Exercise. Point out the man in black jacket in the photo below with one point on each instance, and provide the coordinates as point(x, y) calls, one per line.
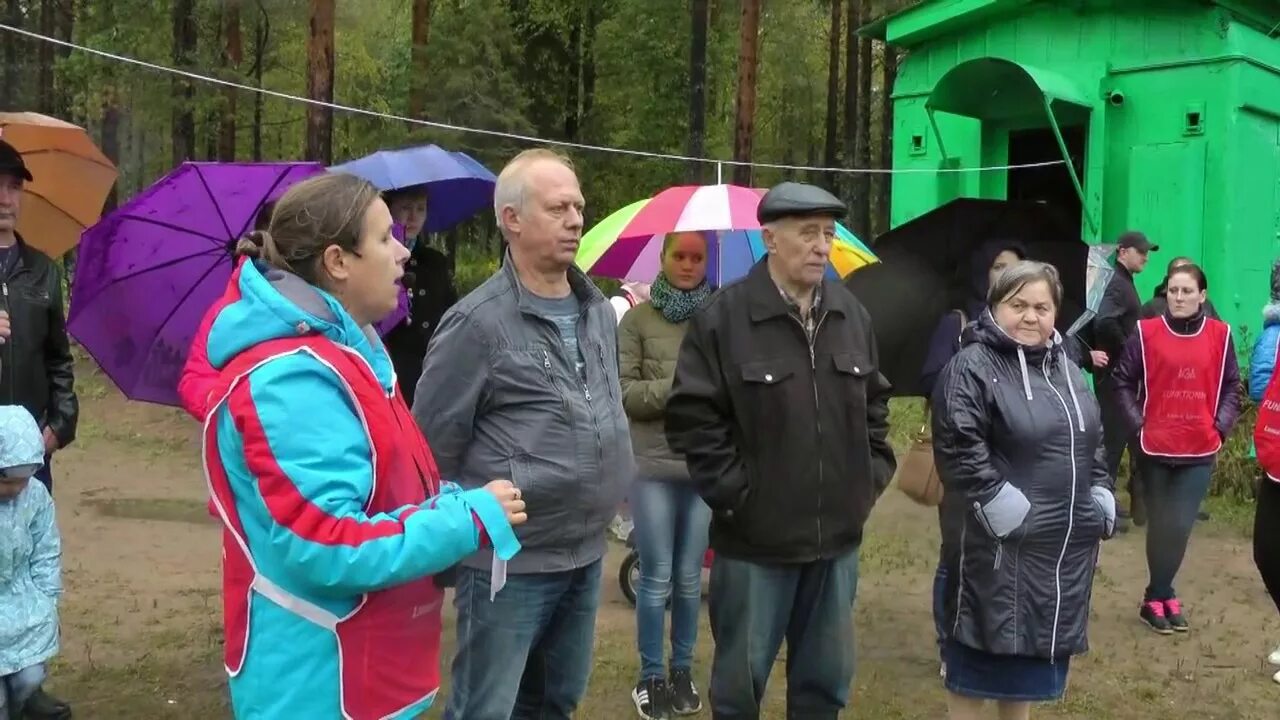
point(35, 357)
point(1117, 319)
point(783, 418)
point(430, 286)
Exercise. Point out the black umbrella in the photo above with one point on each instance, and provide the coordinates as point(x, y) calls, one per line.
point(924, 266)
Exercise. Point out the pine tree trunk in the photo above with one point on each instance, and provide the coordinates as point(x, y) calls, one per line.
point(232, 55)
point(64, 20)
point(573, 81)
point(862, 159)
point(110, 126)
point(698, 89)
point(45, 60)
point(421, 35)
point(885, 191)
point(320, 82)
point(748, 62)
point(10, 89)
point(261, 35)
point(831, 158)
point(183, 93)
point(851, 57)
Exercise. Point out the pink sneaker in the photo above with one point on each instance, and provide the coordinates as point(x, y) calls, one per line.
point(1152, 613)
point(1173, 612)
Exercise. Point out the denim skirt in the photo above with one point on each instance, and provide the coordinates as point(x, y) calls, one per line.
point(977, 674)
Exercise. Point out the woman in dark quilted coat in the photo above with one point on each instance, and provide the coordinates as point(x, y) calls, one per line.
point(1017, 438)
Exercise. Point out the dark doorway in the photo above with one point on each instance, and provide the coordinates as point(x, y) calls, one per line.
point(1050, 185)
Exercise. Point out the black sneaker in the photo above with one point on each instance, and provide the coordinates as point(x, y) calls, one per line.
point(653, 699)
point(684, 695)
point(1152, 614)
point(1173, 611)
point(43, 706)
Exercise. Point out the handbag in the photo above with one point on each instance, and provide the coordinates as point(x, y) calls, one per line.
point(917, 474)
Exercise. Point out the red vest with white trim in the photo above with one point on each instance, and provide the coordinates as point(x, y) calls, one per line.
point(1182, 385)
point(389, 645)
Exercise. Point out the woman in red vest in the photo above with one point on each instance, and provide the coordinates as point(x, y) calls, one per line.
point(335, 517)
point(1177, 383)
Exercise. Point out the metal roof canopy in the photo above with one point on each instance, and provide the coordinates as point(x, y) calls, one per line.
point(1003, 90)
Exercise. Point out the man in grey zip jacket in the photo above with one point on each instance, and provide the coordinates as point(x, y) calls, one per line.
point(521, 382)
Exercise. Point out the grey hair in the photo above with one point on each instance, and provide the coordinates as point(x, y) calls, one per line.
point(511, 185)
point(1020, 274)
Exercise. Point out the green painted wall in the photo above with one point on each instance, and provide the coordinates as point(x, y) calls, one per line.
point(1211, 193)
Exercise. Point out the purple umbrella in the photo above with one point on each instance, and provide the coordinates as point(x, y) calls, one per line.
point(457, 186)
point(147, 272)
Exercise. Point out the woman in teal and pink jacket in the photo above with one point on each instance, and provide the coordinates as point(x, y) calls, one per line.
point(335, 518)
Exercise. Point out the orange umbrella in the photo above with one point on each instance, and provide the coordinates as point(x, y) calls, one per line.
point(72, 180)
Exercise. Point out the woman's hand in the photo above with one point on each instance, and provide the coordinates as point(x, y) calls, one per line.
point(508, 496)
point(1099, 358)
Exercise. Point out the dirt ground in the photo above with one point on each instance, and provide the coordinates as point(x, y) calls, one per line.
point(141, 614)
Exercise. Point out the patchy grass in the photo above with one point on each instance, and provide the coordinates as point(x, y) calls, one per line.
point(165, 509)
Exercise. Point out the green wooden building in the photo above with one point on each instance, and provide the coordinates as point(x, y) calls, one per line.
point(1169, 111)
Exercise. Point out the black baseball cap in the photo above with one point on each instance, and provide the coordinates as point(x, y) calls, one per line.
point(11, 162)
point(1137, 241)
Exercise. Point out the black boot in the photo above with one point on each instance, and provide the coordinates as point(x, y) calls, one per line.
point(43, 706)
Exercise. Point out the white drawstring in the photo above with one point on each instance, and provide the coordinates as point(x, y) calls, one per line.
point(1026, 378)
point(1071, 388)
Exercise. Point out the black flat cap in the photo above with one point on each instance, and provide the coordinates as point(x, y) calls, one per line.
point(11, 162)
point(792, 198)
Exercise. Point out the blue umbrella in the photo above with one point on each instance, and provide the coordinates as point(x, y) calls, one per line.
point(457, 186)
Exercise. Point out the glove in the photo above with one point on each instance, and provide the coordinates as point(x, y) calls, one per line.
point(1106, 503)
point(1004, 513)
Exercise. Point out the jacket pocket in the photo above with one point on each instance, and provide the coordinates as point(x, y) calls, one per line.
point(530, 377)
point(1004, 513)
point(771, 396)
point(853, 366)
point(35, 296)
point(556, 512)
point(765, 373)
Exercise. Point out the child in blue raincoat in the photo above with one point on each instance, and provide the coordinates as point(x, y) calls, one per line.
point(30, 573)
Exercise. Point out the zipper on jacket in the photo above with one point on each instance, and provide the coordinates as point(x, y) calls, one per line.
point(817, 408)
point(8, 346)
point(1071, 513)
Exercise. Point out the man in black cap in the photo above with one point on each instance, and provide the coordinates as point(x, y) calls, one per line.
point(1116, 321)
point(36, 369)
point(783, 418)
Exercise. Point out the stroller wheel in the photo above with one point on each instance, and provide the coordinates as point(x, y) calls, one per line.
point(629, 576)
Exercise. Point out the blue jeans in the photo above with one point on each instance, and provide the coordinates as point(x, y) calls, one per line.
point(1173, 495)
point(754, 606)
point(526, 654)
point(671, 525)
point(18, 687)
point(940, 604)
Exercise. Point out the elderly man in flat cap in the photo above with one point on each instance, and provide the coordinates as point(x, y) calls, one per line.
point(782, 416)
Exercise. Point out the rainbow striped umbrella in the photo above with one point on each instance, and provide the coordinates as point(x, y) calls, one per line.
point(628, 244)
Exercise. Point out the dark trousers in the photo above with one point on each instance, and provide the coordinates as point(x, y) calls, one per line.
point(1173, 497)
point(754, 607)
point(1115, 437)
point(1266, 537)
point(45, 474)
